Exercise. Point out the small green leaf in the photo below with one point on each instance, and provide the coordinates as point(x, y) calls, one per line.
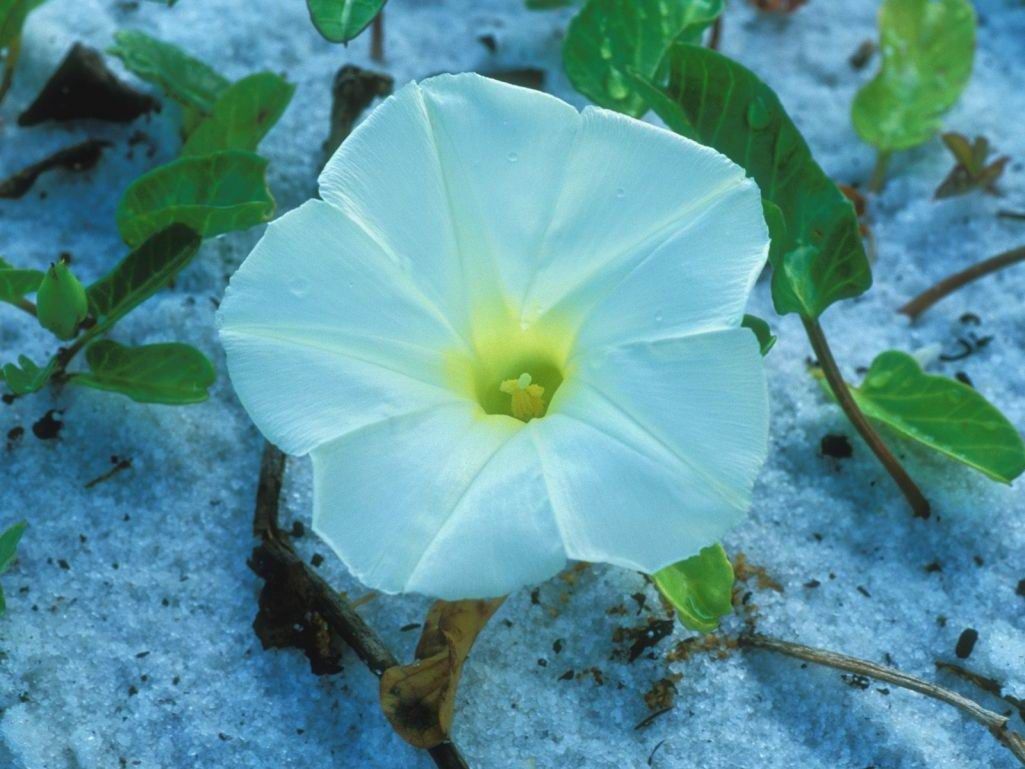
point(927, 46)
point(766, 339)
point(185, 79)
point(14, 283)
point(9, 539)
point(212, 194)
point(12, 18)
point(26, 377)
point(700, 588)
point(941, 413)
point(243, 115)
point(8, 547)
point(61, 304)
point(170, 373)
point(610, 38)
point(341, 20)
point(817, 254)
point(142, 273)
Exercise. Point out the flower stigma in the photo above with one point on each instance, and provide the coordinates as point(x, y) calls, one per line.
point(526, 397)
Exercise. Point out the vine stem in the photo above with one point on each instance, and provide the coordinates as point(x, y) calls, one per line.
point(24, 304)
point(336, 610)
point(952, 283)
point(377, 37)
point(919, 504)
point(715, 36)
point(994, 722)
point(13, 51)
point(878, 180)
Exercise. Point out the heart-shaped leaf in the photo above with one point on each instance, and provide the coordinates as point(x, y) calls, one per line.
point(941, 413)
point(25, 376)
point(609, 38)
point(142, 273)
point(15, 283)
point(341, 20)
point(927, 46)
point(700, 588)
point(212, 194)
point(170, 373)
point(242, 116)
point(817, 254)
point(183, 78)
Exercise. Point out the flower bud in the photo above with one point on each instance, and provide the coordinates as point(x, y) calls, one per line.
point(61, 303)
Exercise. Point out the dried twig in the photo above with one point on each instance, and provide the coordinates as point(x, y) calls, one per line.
point(377, 37)
point(952, 283)
point(995, 723)
point(336, 611)
point(986, 684)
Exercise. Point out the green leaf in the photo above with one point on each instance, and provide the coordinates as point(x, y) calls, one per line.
point(545, 5)
point(26, 377)
point(212, 194)
point(12, 18)
point(185, 79)
point(8, 546)
point(142, 273)
point(766, 339)
point(14, 283)
point(170, 373)
point(610, 38)
point(9, 539)
point(817, 254)
point(243, 115)
point(700, 588)
point(927, 46)
point(941, 413)
point(61, 304)
point(341, 20)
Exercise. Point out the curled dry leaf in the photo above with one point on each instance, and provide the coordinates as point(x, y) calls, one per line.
point(352, 91)
point(419, 699)
point(79, 157)
point(778, 6)
point(83, 87)
point(970, 171)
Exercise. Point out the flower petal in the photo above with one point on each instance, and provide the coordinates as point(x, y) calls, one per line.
point(633, 215)
point(503, 151)
point(324, 333)
point(457, 176)
point(697, 280)
point(651, 449)
point(442, 502)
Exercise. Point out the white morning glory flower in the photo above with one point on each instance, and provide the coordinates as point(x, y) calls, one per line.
point(509, 336)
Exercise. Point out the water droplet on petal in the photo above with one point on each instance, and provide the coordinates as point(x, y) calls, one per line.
point(658, 317)
point(299, 287)
point(512, 157)
point(620, 192)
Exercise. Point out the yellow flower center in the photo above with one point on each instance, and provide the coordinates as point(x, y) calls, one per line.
point(526, 397)
point(512, 367)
